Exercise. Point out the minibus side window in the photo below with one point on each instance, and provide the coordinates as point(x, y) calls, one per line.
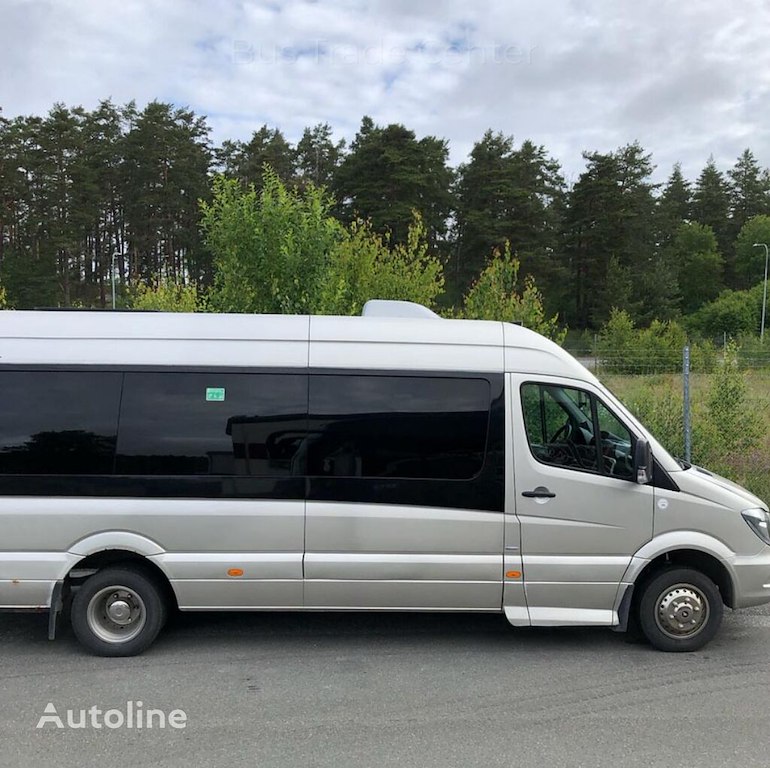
point(58, 422)
point(562, 424)
point(397, 426)
point(180, 423)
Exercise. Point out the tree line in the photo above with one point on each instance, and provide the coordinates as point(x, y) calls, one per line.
point(124, 192)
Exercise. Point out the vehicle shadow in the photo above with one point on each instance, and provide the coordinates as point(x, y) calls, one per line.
point(236, 631)
point(396, 628)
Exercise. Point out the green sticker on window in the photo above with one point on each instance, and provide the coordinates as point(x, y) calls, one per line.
point(215, 394)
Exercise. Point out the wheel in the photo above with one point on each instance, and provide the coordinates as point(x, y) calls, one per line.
point(680, 610)
point(118, 612)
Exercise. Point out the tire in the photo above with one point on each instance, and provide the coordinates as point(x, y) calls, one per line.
point(680, 610)
point(118, 612)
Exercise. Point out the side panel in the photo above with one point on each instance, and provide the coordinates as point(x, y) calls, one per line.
point(27, 578)
point(514, 594)
point(201, 581)
point(377, 556)
point(200, 540)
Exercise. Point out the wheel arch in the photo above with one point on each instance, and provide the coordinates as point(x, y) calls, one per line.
point(116, 540)
point(116, 558)
point(691, 549)
point(705, 562)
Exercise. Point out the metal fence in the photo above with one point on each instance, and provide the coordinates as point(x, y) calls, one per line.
point(674, 395)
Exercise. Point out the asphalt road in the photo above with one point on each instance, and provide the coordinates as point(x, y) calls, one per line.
point(423, 690)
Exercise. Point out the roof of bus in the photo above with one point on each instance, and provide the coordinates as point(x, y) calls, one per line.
point(206, 339)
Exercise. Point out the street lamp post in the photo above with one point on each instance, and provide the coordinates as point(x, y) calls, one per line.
point(764, 294)
point(112, 271)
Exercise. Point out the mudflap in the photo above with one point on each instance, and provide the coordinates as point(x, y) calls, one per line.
point(57, 603)
point(624, 609)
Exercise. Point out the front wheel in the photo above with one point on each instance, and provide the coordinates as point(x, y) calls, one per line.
point(680, 610)
point(118, 612)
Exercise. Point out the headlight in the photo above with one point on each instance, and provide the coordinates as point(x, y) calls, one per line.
point(759, 522)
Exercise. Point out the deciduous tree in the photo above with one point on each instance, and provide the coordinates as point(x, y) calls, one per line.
point(498, 295)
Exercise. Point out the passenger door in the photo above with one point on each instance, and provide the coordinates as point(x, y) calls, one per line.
point(581, 512)
point(405, 494)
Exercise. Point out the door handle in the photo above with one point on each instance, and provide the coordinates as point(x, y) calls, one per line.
point(539, 493)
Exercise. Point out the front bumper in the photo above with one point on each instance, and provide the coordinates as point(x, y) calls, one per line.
point(752, 579)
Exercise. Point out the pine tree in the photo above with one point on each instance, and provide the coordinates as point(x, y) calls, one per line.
point(507, 195)
point(748, 192)
point(674, 206)
point(165, 173)
point(318, 156)
point(711, 205)
point(389, 174)
point(267, 146)
point(609, 228)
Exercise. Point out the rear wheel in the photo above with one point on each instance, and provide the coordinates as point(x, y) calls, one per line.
point(680, 610)
point(118, 612)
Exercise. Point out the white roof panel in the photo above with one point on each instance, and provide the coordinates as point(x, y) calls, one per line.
point(386, 343)
point(527, 351)
point(406, 344)
point(152, 338)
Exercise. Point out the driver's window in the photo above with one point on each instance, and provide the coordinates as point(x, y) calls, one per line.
point(559, 427)
point(543, 416)
point(617, 444)
point(561, 423)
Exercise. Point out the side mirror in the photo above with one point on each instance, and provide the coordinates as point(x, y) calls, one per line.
point(642, 462)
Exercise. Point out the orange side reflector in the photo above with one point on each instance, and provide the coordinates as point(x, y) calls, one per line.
point(235, 572)
point(513, 575)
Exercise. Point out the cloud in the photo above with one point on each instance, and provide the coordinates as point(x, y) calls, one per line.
point(685, 79)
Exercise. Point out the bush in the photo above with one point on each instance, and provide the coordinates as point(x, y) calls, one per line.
point(727, 426)
point(362, 266)
point(753, 353)
point(734, 313)
point(659, 405)
point(623, 348)
point(166, 297)
point(271, 247)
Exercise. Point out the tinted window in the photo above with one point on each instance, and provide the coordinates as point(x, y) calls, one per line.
point(397, 426)
point(211, 423)
point(58, 423)
point(561, 425)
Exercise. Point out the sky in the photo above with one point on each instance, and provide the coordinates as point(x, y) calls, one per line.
point(685, 79)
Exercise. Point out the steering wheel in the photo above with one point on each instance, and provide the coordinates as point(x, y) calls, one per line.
point(566, 428)
point(563, 454)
